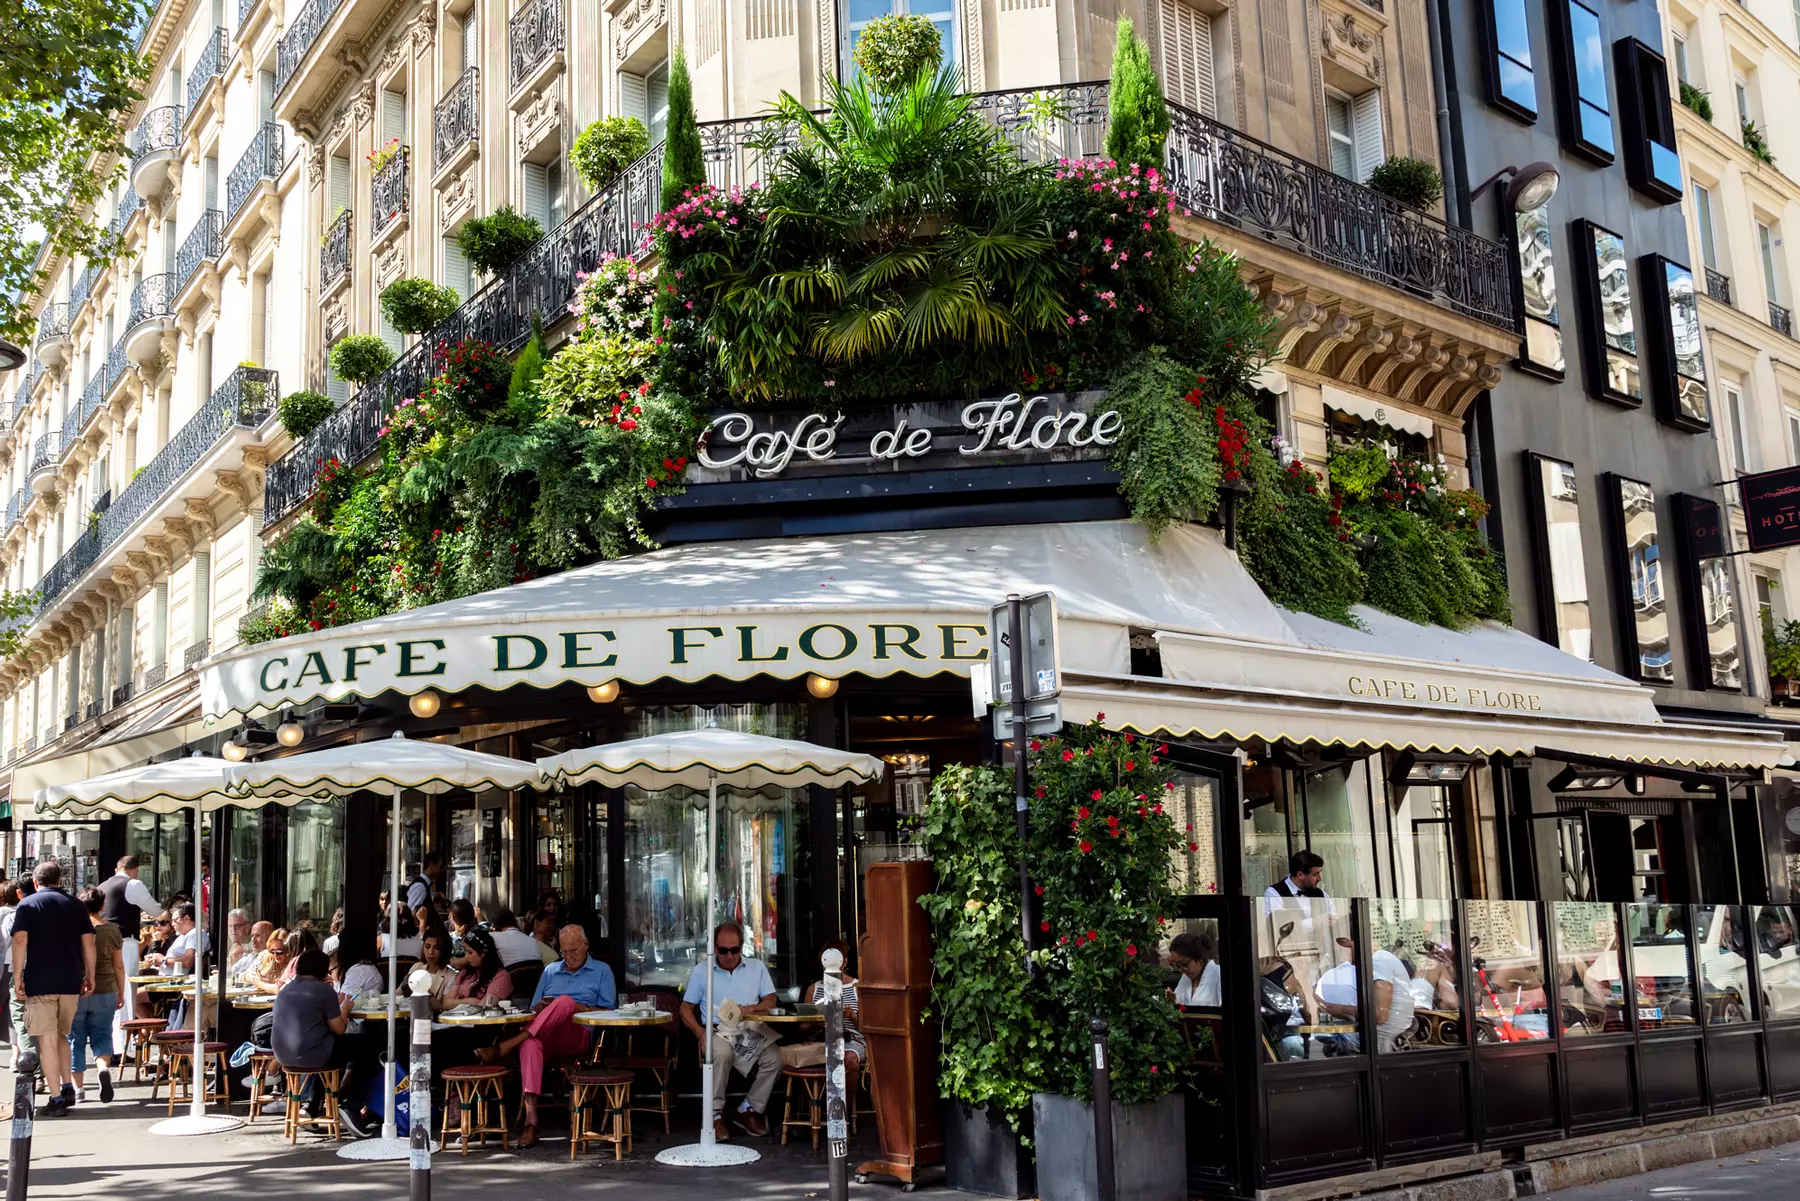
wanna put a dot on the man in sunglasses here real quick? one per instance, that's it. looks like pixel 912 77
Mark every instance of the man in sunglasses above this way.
pixel 747 982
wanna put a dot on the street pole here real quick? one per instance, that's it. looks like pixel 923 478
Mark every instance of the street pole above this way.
pixel 1021 769
pixel 418 1110
pixel 1104 1179
pixel 18 1165
pixel 837 1133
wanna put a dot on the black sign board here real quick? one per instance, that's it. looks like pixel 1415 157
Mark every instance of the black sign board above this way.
pixel 1703 526
pixel 1772 508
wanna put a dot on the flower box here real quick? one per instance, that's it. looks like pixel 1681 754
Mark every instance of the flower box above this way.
pixel 983 1155
pixel 1149 1149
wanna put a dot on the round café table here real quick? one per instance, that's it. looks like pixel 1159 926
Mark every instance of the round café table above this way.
pixel 517 1017
pixel 788 1016
pixel 615 1018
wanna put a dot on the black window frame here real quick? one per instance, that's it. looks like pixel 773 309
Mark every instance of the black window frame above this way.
pixel 1569 97
pixel 1494 59
pixel 1631 650
pixel 1544 578
pixel 1583 234
pixel 1509 234
pixel 1647 120
pixel 1661 343
pixel 1700 530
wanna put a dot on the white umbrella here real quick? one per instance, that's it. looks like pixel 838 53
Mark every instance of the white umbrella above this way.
pixel 398 763
pixel 199 782
pixel 696 759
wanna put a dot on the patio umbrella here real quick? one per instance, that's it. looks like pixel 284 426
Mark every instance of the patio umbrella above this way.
pixel 397 763
pixel 170 787
pixel 697 759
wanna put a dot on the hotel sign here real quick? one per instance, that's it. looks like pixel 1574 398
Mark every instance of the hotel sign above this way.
pixel 1772 508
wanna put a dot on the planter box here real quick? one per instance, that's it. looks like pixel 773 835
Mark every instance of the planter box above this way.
pixel 983 1155
pixel 1149 1149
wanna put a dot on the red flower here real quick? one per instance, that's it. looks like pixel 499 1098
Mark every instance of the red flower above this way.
pixel 1039 889
pixel 1083 812
pixel 1093 936
pixel 1068 756
pixel 1193 846
pixel 1112 821
pixel 650 482
pixel 1086 846
pixel 1063 941
pixel 1131 949
pixel 1128 738
pixel 1040 790
pixel 1153 1069
pixel 1044 926
pixel 1129 765
pixel 1094 795
pixel 1036 745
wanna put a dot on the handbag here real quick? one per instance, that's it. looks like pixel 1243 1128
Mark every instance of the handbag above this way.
pixel 803 1055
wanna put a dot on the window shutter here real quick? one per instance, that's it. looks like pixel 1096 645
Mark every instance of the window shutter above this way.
pixel 553 182
pixel 1187 57
pixel 265 111
pixel 656 104
pixel 456 268
pixel 633 100
pixel 337 389
pixel 1365 113
pixel 268 330
pixel 170 246
pixel 537 193
pixel 471 26
pixel 388 333
pixel 212 182
pixel 340 186
pixel 393 117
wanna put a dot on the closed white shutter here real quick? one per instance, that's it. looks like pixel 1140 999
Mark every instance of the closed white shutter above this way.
pixel 212 181
pixel 265 109
pixel 632 97
pixel 388 333
pixel 340 187
pixel 456 268
pixel 537 193
pixel 393 117
pixel 471 27
pixel 1365 111
pixel 337 389
pixel 1187 57
pixel 267 355
pixel 656 103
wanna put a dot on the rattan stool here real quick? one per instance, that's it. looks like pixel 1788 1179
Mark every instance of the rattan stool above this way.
pixel 298 1083
pixel 480 1096
pixel 812 1080
pixel 137 1033
pixel 586 1087
pixel 261 1064
pixel 180 1061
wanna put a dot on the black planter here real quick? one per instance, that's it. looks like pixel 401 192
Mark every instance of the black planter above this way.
pixel 1149 1149
pixel 983 1155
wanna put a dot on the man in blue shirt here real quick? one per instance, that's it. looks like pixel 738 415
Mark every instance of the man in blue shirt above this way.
pixel 747 982
pixel 574 984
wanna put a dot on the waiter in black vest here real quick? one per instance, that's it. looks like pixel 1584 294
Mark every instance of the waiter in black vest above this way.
pixel 1305 871
pixel 126 902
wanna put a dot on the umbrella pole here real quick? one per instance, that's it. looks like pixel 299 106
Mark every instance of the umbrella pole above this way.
pixel 389 1130
pixel 197 1107
pixel 712 953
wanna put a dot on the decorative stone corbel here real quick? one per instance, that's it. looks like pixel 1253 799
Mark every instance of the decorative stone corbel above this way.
pixel 232 484
pixel 1334 329
pixel 1407 349
pixel 1373 340
pixel 1435 358
pixel 177 538
pixel 142 566
pixel 201 520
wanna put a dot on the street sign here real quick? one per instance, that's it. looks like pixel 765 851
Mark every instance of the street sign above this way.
pixel 1043 669
pixel 1771 508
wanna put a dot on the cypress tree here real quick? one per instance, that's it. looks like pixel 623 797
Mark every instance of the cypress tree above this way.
pixel 1139 119
pixel 684 166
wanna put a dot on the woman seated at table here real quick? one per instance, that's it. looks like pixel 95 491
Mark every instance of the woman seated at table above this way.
pixel 1196 957
pixel 462 920
pixel 482 980
pixel 269 965
pixel 856 1050
pixel 434 961
pixel 354 965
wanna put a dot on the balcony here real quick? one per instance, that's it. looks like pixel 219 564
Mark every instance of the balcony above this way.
pixel 118 365
pixel 334 254
pixel 130 205
pixel 387 194
pixel 195 652
pixel 255 173
pixel 1718 286
pixel 93 399
pixel 152 313
pixel 207 68
pixel 71 567
pixel 16 506
pixel 297 42
pixel 1781 320
pixel 200 248
pixel 46 453
pixel 81 291
pixel 534 38
pixel 1393 265
pixel 53 334
pixel 455 124
pixel 153 149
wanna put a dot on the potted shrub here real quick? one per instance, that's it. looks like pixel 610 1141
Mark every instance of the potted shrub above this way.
pixel 894 50
pixel 606 147
pixel 1101 848
pixel 1781 647
pixel 360 358
pixel 414 305
pixel 495 242
pixel 1757 143
pixel 1411 181
pixel 1696 101
pixel 301 412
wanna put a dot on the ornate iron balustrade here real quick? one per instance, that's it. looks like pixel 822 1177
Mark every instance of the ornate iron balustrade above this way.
pixel 46 451
pixel 297 42
pixel 204 245
pixel 81 291
pixel 196 652
pixel 93 710
pixel 262 159
pixel 334 254
pixel 16 505
pixel 1780 319
pixel 153 677
pixel 151 298
pixel 121 694
pixel 455 119
pixel 159 130
pixel 53 323
pixel 533 34
pixel 208 67
pixel 387 192
pixel 22 394
pixel 130 205
pixel 245 8
pixel 117 365
pixel 1718 286
pixel 93 397
pixel 71 567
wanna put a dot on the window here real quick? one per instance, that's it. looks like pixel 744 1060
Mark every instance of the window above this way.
pixel 1651 163
pixel 393 118
pixel 1681 59
pixel 1710 593
pixel 861 12
pixel 536 179
pixel 1588 950
pixel 470 27
pixel 1793 435
pixel 1644 630
pixel 646 97
pixel 1611 341
pixel 1186 42
pixel 340 188
pixel 1563 584
pixel 1703 217
pixel 456 268
pixel 1742 91
pixel 1766 242
pixel 1678 369
pixel 553 180
pixel 1512 86
pixel 1354 144
pixel 1736 443
pixel 1543 347
pixel 1585 111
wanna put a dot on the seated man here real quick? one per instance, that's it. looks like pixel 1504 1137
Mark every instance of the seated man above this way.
pixel 747 982
pixel 245 956
pixel 575 983
pixel 311 1021
pixel 185 951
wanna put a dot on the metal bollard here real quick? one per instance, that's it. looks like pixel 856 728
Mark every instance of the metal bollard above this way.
pixel 18 1166
pixel 1104 1179
pixel 837 1132
pixel 418 1114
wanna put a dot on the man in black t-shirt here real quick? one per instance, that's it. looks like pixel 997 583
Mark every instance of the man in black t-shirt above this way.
pixel 311 1030
pixel 53 966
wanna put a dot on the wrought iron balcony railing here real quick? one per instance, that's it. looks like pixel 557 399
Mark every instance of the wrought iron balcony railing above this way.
pixel 1718 286
pixel 16 505
pixel 208 67
pixel 65 571
pixel 121 694
pixel 387 192
pixel 196 652
pixel 151 298
pixel 159 130
pixel 1780 319
pixel 93 710
pixel 454 121
pixel 53 323
pixel 245 8
pixel 130 205
pixel 1217 173
pixel 117 364
pixel 153 677
pixel 46 451
pixel 204 245
pixel 93 398
pixel 297 42
pixel 81 291
pixel 334 252
pixel 533 34
pixel 262 159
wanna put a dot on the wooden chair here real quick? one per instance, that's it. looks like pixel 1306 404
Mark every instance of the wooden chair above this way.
pixel 179 1059
pixel 481 1103
pixel 812 1083
pixel 592 1089
pixel 137 1045
pixel 262 1063
pixel 166 1043
pixel 653 1049
pixel 298 1083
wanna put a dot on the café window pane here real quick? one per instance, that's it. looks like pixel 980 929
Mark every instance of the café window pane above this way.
pixel 1585 110
pixel 1194 804
pixel 1506 953
pixel 1306 957
pixel 1588 969
pixel 1266 823
pixel 1418 843
pixel 315 867
pixel 1778 961
pixel 1662 967
pixel 1423 1012
pixel 1642 578
pixel 1611 341
pixel 1512 85
pixel 1567 620
pixel 1725 994
pixel 1340 827
pixel 1651 162
pixel 1673 351
pixel 1537 285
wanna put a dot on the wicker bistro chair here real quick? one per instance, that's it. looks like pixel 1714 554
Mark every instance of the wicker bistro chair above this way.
pixel 812 1089
pixel 298 1086
pixel 178 1061
pixel 480 1094
pixel 609 1092
pixel 137 1045
pixel 262 1066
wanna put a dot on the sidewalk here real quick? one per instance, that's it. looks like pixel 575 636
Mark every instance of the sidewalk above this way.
pixel 105 1152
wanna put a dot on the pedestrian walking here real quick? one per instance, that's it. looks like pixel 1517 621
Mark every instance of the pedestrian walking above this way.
pixel 9 902
pixel 128 902
pixel 94 1013
pixel 53 960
